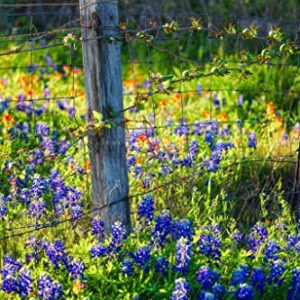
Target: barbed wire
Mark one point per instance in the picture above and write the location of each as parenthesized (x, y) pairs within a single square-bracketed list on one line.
[(129, 37)]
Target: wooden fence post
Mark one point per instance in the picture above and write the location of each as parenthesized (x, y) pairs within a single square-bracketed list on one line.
[(103, 89)]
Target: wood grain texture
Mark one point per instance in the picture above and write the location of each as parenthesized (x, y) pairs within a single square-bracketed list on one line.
[(103, 88)]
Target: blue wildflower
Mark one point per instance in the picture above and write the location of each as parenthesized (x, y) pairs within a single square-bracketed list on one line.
[(183, 255), (142, 256), (271, 249), (277, 269), (97, 226), (207, 277), (146, 208), (118, 235), (181, 289), (162, 265), (98, 251), (127, 267), (294, 291), (258, 279), (240, 275), (244, 292), (48, 289)]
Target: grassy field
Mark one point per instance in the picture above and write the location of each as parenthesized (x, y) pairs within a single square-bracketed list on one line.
[(213, 148)]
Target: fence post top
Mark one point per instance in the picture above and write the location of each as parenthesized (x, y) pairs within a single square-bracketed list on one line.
[(108, 2)]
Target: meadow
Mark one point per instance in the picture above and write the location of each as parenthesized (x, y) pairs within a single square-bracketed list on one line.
[(212, 132)]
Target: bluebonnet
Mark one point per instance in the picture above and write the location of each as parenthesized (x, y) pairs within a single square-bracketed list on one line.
[(271, 249), (225, 131), (240, 123), (214, 126), (48, 60), (127, 267), (98, 250), (183, 255), (199, 89), (216, 102), (142, 256), (15, 278), (118, 235), (37, 157), (162, 228), (207, 277), (198, 128), (75, 268), (34, 247), (186, 162), (131, 161), (294, 291), (252, 141), (181, 289), (56, 253), (9, 279), (147, 84), (97, 226), (42, 129), (258, 279), (277, 268), (193, 149), (146, 183), (25, 283), (3, 206), (165, 170), (238, 237), (162, 265), (219, 290), (72, 112), (240, 275), (292, 240), (211, 165), (244, 292), (204, 295), (48, 289), (210, 244), (134, 110), (37, 208), (209, 137), (182, 129), (257, 236), (46, 92), (146, 208), (31, 68), (240, 100), (138, 172), (24, 196), (183, 228)]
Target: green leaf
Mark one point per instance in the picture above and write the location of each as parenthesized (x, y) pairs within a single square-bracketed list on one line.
[(97, 115)]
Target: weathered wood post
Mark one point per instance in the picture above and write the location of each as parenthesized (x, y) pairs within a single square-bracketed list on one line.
[(103, 89)]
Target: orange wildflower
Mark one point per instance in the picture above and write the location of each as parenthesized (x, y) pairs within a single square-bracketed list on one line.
[(271, 108), (58, 75), (66, 68), (239, 143), (8, 118), (223, 116), (177, 97), (143, 138), (87, 166), (206, 113), (129, 82), (78, 287), (163, 102)]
